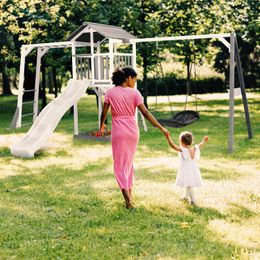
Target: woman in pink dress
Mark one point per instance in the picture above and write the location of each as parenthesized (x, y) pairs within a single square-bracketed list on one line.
[(123, 99)]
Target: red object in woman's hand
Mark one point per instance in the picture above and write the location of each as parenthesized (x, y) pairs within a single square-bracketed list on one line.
[(98, 133)]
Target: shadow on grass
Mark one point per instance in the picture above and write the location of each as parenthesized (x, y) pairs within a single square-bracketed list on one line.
[(206, 213), (221, 174), (170, 175), (57, 209), (241, 212), (85, 142), (5, 152)]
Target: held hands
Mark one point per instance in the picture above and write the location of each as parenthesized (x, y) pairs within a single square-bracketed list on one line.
[(165, 132)]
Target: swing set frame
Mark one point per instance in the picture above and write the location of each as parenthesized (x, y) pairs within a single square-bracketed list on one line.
[(92, 34), (234, 62)]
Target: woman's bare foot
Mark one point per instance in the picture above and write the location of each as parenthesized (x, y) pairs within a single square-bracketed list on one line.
[(128, 199), (129, 205)]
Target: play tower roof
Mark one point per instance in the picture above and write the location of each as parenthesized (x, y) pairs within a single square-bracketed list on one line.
[(101, 31)]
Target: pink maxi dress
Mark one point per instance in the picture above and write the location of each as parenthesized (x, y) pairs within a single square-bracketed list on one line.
[(124, 132)]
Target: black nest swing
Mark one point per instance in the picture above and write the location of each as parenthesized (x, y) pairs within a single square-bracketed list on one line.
[(182, 118)]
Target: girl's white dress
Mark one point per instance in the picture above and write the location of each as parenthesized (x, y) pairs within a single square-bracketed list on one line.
[(188, 174)]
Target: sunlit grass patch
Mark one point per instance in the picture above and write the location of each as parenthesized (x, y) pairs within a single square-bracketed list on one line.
[(66, 203), (246, 235)]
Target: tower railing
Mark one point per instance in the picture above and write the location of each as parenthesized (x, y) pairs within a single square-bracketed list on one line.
[(101, 65)]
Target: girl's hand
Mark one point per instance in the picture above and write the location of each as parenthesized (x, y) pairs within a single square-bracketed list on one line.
[(205, 138)]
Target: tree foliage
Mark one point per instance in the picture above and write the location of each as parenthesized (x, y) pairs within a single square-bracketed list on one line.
[(33, 21), (243, 18)]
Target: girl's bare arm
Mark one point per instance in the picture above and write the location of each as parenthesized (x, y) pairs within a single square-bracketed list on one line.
[(204, 140), (173, 145)]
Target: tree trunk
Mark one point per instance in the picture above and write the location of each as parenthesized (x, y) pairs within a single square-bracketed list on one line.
[(55, 81), (14, 81), (188, 82), (6, 82), (50, 81)]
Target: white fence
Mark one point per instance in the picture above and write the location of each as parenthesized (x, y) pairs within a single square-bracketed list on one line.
[(101, 62)]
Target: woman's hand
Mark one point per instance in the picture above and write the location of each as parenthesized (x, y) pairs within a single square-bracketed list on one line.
[(101, 131), (165, 132)]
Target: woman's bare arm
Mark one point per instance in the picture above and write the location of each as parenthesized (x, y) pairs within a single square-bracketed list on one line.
[(146, 113), (104, 116)]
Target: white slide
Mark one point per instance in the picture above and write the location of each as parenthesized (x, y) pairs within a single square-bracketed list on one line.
[(49, 118)]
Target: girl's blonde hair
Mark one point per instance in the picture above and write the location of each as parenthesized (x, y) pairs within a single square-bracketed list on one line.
[(186, 138)]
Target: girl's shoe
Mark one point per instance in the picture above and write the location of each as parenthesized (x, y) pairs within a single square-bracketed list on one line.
[(193, 203), (185, 200)]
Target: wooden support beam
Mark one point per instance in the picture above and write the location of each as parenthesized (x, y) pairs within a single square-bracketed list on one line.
[(243, 89), (231, 93)]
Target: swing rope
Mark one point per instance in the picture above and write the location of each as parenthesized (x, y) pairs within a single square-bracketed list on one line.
[(163, 79), (194, 80), (195, 75)]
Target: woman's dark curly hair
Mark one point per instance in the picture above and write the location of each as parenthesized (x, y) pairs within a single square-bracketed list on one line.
[(121, 74)]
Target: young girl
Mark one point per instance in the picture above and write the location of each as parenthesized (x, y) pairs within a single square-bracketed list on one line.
[(188, 175)]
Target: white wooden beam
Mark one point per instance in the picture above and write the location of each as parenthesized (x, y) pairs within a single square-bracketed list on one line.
[(111, 57), (50, 44), (225, 42), (73, 52), (177, 38), (67, 44), (98, 73), (40, 53), (25, 50), (74, 75)]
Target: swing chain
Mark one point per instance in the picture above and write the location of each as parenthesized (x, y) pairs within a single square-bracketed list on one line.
[(159, 63), (194, 78)]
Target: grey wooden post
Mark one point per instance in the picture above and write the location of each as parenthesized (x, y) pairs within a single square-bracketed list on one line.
[(231, 93), (243, 89)]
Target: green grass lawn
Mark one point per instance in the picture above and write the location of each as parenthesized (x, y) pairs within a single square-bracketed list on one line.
[(65, 203)]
